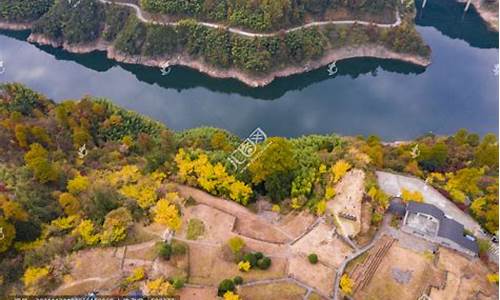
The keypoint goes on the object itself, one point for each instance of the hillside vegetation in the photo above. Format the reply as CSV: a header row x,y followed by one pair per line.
x,y
80,173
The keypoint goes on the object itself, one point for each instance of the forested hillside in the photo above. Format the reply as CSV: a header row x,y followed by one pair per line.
x,y
91,21
79,174
265,15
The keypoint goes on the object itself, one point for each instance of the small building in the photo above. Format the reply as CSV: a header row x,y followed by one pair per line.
x,y
429,222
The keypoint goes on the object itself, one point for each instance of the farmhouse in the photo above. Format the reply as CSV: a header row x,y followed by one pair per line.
x,y
429,222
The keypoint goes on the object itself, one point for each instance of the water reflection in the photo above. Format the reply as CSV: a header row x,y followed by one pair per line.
x,y
182,78
389,98
449,17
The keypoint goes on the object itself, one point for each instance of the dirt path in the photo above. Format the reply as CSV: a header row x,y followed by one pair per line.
x,y
144,19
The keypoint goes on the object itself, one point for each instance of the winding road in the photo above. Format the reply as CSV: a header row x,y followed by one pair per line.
x,y
144,19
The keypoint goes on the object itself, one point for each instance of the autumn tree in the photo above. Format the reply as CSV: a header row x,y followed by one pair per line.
x,y
78,184
37,160
12,210
199,171
485,208
346,284
380,198
160,287
277,157
35,279
69,203
339,169
116,226
433,158
487,152
464,183
167,214
87,232
408,195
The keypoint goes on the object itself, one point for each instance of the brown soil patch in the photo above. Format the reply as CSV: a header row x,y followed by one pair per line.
x,y
318,276
264,247
172,268
466,278
197,293
314,296
276,291
84,263
247,223
145,251
218,224
256,228
348,198
331,250
383,285
208,266
294,224
92,269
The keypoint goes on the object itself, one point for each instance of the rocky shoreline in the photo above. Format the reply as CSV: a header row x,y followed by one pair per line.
x,y
375,51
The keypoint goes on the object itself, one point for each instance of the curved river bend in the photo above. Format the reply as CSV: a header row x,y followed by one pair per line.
x,y
367,96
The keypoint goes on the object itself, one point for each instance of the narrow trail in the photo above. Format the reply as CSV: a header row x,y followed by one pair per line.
x,y
144,19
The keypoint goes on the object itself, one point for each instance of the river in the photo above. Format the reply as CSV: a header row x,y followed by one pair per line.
x,y
392,99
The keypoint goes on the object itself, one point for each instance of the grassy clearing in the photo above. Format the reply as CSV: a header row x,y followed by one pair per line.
x,y
196,228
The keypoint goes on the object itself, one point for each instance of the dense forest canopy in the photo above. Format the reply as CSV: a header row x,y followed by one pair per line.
x,y
24,11
264,15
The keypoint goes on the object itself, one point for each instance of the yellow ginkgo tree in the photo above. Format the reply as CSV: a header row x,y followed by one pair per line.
x,y
167,214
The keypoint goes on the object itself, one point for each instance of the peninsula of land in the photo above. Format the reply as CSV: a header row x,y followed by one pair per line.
x,y
130,34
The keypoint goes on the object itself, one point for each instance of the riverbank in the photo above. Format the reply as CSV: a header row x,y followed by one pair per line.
x,y
370,50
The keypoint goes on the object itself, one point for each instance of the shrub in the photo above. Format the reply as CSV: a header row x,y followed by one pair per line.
x,y
165,251
178,248
259,255
376,218
231,296
138,274
224,286
238,280
492,278
313,258
244,266
178,282
236,244
264,263
251,258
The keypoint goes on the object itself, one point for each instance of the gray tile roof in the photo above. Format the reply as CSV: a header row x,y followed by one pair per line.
x,y
452,230
448,228
425,208
397,206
